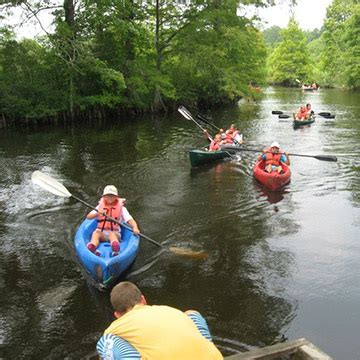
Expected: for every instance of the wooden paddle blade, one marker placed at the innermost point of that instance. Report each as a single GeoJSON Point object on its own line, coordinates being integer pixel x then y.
{"type": "Point", "coordinates": [189, 253]}
{"type": "Point", "coordinates": [284, 116]}
{"type": "Point", "coordinates": [328, 116]}
{"type": "Point", "coordinates": [48, 183]}
{"type": "Point", "coordinates": [324, 113]}
{"type": "Point", "coordinates": [326, 157]}
{"type": "Point", "coordinates": [277, 112]}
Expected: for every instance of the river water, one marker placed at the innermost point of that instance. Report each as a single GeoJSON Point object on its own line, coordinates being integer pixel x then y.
{"type": "Point", "coordinates": [280, 265]}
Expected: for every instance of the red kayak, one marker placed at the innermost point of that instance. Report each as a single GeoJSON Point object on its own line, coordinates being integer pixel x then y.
{"type": "Point", "coordinates": [274, 180]}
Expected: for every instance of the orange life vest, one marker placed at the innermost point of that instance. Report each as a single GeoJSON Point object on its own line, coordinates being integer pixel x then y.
{"type": "Point", "coordinates": [214, 146]}
{"type": "Point", "coordinates": [302, 114]}
{"type": "Point", "coordinates": [273, 159]}
{"type": "Point", "coordinates": [114, 210]}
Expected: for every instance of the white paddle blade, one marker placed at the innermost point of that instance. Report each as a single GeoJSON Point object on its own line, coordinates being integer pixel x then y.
{"type": "Point", "coordinates": [48, 183]}
{"type": "Point", "coordinates": [184, 113]}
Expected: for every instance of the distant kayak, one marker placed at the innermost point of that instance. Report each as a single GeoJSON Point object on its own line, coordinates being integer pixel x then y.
{"type": "Point", "coordinates": [273, 180]}
{"type": "Point", "coordinates": [309, 88]}
{"type": "Point", "coordinates": [105, 269]}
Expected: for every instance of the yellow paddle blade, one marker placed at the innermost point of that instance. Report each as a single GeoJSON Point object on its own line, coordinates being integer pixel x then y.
{"type": "Point", "coordinates": [190, 253]}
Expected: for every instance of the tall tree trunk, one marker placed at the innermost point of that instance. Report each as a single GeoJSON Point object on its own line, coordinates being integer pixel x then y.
{"type": "Point", "coordinates": [129, 40]}
{"type": "Point", "coordinates": [158, 103]}
{"type": "Point", "coordinates": [71, 96]}
{"type": "Point", "coordinates": [69, 9]}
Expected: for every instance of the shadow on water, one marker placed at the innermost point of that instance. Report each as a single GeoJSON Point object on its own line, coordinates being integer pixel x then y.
{"type": "Point", "coordinates": [215, 167]}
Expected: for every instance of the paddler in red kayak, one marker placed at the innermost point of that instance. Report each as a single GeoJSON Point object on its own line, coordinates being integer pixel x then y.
{"type": "Point", "coordinates": [273, 158]}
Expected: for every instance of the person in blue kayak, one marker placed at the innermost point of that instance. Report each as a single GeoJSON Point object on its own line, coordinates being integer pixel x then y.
{"type": "Point", "coordinates": [274, 157]}
{"type": "Point", "coordinates": [143, 331]}
{"type": "Point", "coordinates": [110, 205]}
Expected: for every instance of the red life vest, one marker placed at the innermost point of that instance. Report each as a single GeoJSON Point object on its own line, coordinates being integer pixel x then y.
{"type": "Point", "coordinates": [114, 210]}
{"type": "Point", "coordinates": [228, 139]}
{"type": "Point", "coordinates": [273, 159]}
{"type": "Point", "coordinates": [301, 115]}
{"type": "Point", "coordinates": [214, 146]}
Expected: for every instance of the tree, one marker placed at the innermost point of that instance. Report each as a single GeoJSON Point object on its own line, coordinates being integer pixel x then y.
{"type": "Point", "coordinates": [30, 84]}
{"type": "Point", "coordinates": [332, 59]}
{"type": "Point", "coordinates": [291, 58]}
{"type": "Point", "coordinates": [272, 36]}
{"type": "Point", "coordinates": [217, 57]}
{"type": "Point", "coordinates": [352, 53]}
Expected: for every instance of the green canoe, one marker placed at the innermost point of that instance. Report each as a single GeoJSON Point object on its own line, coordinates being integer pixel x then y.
{"type": "Point", "coordinates": [201, 157]}
{"type": "Point", "coordinates": [299, 123]}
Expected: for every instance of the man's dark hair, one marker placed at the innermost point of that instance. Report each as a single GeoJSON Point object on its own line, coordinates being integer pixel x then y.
{"type": "Point", "coordinates": [124, 296]}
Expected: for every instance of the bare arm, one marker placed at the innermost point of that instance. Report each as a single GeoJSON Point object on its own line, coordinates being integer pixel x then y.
{"type": "Point", "coordinates": [92, 215]}
{"type": "Point", "coordinates": [134, 226]}
{"type": "Point", "coordinates": [287, 162]}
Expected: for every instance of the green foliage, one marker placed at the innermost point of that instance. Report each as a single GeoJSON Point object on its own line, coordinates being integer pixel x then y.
{"type": "Point", "coordinates": [291, 58]}
{"type": "Point", "coordinates": [132, 55]}
{"type": "Point", "coordinates": [24, 88]}
{"type": "Point", "coordinates": [312, 35]}
{"type": "Point", "coordinates": [329, 56]}
{"type": "Point", "coordinates": [217, 58]}
{"type": "Point", "coordinates": [272, 36]}
{"type": "Point", "coordinates": [352, 53]}
{"type": "Point", "coordinates": [333, 59]}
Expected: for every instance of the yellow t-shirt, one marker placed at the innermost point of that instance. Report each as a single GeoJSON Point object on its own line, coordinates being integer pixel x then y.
{"type": "Point", "coordinates": [163, 333]}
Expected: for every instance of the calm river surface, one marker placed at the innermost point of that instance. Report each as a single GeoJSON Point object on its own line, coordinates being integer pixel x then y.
{"type": "Point", "coordinates": [280, 265]}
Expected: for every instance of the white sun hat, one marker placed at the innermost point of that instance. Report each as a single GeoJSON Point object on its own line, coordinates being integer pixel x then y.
{"type": "Point", "coordinates": [275, 144]}
{"type": "Point", "coordinates": [110, 190]}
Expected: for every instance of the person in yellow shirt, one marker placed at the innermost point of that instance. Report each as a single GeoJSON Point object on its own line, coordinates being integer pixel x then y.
{"type": "Point", "coordinates": [153, 332]}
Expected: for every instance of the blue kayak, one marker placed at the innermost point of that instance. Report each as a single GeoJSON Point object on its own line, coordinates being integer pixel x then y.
{"type": "Point", "coordinates": [105, 269]}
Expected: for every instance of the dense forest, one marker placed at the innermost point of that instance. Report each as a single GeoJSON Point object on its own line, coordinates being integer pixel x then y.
{"type": "Point", "coordinates": [329, 56]}
{"type": "Point", "coordinates": [111, 57]}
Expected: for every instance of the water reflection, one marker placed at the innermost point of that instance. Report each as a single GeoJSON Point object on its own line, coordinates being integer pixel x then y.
{"type": "Point", "coordinates": [264, 268]}
{"type": "Point", "coordinates": [272, 197]}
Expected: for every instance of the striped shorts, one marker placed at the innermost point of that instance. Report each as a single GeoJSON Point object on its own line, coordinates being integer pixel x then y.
{"type": "Point", "coordinates": [112, 347]}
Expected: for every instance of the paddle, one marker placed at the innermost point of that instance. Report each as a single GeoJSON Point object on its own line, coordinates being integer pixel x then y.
{"type": "Point", "coordinates": [319, 157]}
{"type": "Point", "coordinates": [282, 115]}
{"type": "Point", "coordinates": [48, 183]}
{"type": "Point", "coordinates": [286, 116]}
{"type": "Point", "coordinates": [187, 115]}
{"type": "Point", "coordinates": [202, 118]}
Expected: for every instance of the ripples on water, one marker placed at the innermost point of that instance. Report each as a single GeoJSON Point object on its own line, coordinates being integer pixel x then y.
{"type": "Point", "coordinates": [272, 256]}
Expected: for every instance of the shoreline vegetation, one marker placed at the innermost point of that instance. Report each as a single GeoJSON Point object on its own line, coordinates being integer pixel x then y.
{"type": "Point", "coordinates": [115, 59]}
